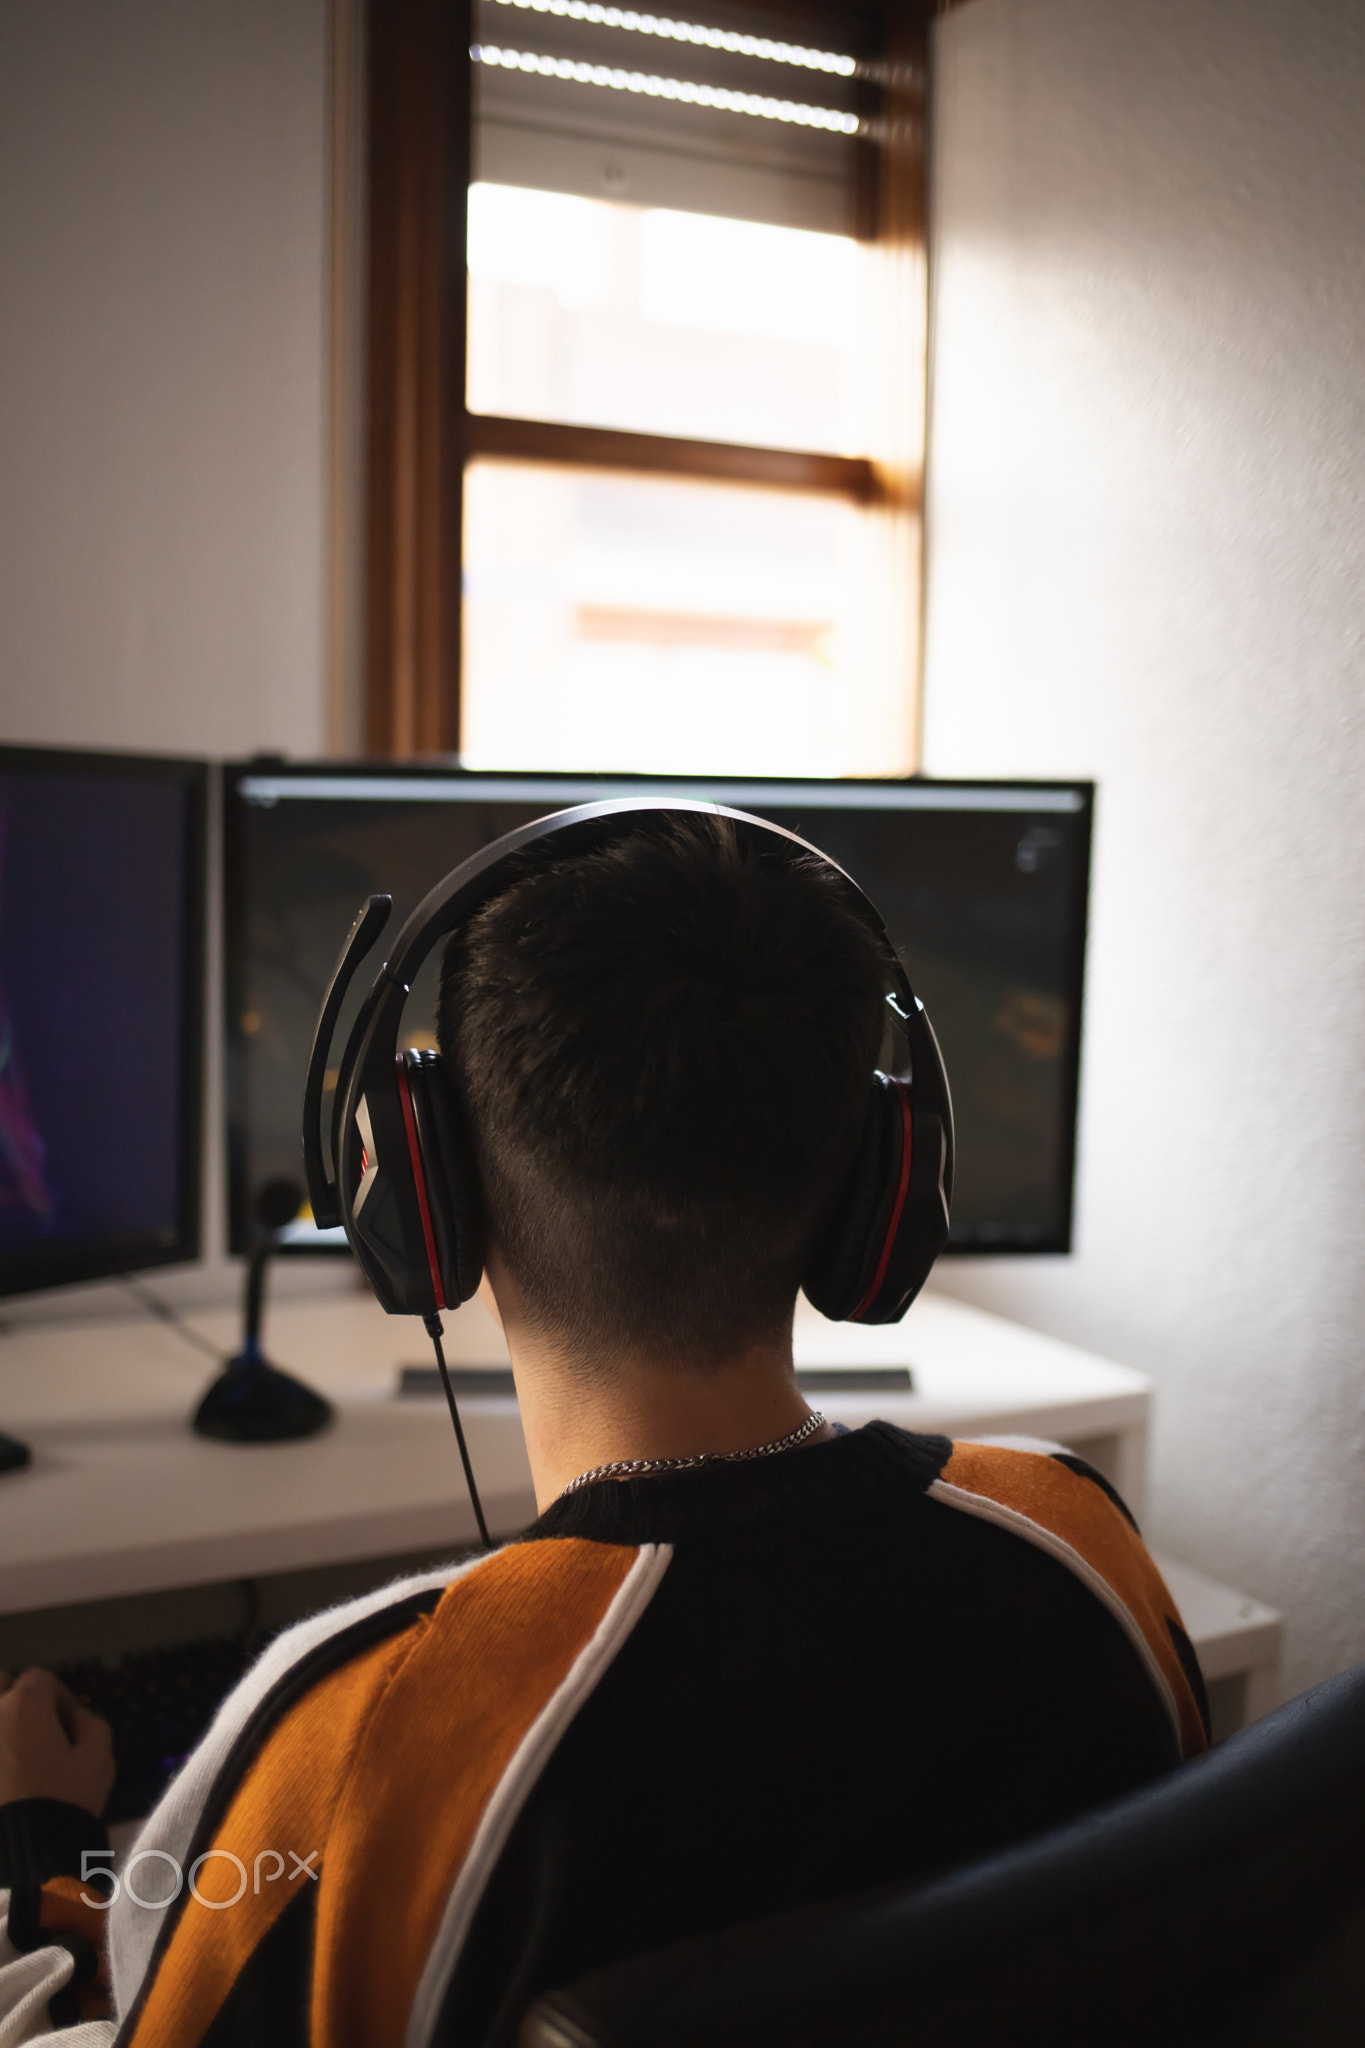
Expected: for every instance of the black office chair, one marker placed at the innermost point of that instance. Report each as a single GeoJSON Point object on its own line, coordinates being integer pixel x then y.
{"type": "Point", "coordinates": [1224, 1904]}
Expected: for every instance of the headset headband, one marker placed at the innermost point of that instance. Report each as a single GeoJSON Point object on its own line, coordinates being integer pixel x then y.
{"type": "Point", "coordinates": [481, 876]}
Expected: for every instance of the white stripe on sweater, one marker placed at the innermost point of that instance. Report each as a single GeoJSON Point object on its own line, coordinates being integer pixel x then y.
{"type": "Point", "coordinates": [534, 1751]}
{"type": "Point", "coordinates": [1056, 1546]}
{"type": "Point", "coordinates": [170, 1827]}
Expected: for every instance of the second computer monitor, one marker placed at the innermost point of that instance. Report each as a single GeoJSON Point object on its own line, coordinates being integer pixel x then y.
{"type": "Point", "coordinates": [982, 885]}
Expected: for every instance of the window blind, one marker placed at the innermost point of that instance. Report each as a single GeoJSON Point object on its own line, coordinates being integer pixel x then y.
{"type": "Point", "coordinates": [713, 110]}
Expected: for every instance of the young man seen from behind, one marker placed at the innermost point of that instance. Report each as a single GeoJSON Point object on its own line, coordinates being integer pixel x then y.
{"type": "Point", "coordinates": [743, 1660]}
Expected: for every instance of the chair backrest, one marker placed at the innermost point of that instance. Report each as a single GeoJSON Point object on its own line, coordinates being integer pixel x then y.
{"type": "Point", "coordinates": [1226, 1902]}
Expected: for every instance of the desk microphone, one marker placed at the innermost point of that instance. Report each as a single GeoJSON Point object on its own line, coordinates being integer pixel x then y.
{"type": "Point", "coordinates": [252, 1401]}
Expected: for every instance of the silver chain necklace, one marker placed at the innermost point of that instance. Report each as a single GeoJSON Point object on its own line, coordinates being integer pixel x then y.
{"type": "Point", "coordinates": [634, 1468]}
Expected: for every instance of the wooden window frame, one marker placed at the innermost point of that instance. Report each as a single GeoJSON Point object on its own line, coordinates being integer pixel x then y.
{"type": "Point", "coordinates": [419, 433]}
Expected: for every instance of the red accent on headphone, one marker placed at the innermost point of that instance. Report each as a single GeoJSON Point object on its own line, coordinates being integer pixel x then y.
{"type": "Point", "coordinates": [419, 1179]}
{"type": "Point", "coordinates": [893, 1223]}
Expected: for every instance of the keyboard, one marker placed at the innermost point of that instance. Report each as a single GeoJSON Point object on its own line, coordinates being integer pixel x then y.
{"type": "Point", "coordinates": [159, 1702]}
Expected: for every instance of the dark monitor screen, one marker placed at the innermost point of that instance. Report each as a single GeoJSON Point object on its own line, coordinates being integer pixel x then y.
{"type": "Point", "coordinates": [982, 886]}
{"type": "Point", "coordinates": [101, 1013]}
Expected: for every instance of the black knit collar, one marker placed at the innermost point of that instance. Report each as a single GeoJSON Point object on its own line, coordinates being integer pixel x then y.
{"type": "Point", "coordinates": [725, 1499]}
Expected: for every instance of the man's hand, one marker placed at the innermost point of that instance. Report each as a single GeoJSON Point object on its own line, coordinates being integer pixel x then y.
{"type": "Point", "coordinates": [51, 1747]}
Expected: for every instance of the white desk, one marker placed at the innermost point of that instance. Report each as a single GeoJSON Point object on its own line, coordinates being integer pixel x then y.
{"type": "Point", "coordinates": [121, 1497]}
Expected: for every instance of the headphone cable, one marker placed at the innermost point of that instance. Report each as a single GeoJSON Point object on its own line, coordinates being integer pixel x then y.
{"type": "Point", "coordinates": [435, 1332]}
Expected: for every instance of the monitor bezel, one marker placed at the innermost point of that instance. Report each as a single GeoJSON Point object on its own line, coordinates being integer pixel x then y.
{"type": "Point", "coordinates": [41, 1267]}
{"type": "Point", "coordinates": [581, 786]}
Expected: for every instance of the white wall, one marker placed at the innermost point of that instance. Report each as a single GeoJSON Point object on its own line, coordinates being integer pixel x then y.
{"type": "Point", "coordinates": [1147, 564]}
{"type": "Point", "coordinates": [163, 361]}
{"type": "Point", "coordinates": [162, 356]}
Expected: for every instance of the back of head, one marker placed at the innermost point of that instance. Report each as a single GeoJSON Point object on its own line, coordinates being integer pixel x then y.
{"type": "Point", "coordinates": [664, 1050]}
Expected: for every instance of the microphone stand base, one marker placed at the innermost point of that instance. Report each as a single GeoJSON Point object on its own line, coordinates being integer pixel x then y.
{"type": "Point", "coordinates": [252, 1402]}
{"type": "Point", "coordinates": [13, 1455]}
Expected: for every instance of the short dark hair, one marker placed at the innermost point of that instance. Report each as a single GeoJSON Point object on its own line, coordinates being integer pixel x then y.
{"type": "Point", "coordinates": [664, 1048]}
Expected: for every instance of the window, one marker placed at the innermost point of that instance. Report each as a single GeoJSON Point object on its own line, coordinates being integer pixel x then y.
{"type": "Point", "coordinates": [646, 385]}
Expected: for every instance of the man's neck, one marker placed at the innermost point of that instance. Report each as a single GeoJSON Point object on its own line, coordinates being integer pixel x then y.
{"type": "Point", "coordinates": [577, 1417]}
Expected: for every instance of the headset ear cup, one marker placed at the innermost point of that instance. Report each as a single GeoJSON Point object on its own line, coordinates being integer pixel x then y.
{"type": "Point", "coordinates": [452, 1188]}
{"type": "Point", "coordinates": [842, 1263]}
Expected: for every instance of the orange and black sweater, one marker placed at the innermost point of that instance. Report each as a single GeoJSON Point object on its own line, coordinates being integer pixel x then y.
{"type": "Point", "coordinates": [675, 1702]}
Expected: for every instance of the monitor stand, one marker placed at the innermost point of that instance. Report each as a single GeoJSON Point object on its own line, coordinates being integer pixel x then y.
{"type": "Point", "coordinates": [13, 1455]}
{"type": "Point", "coordinates": [252, 1401]}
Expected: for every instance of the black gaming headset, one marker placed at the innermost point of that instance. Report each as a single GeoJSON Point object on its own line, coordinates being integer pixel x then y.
{"type": "Point", "coordinates": [406, 1190]}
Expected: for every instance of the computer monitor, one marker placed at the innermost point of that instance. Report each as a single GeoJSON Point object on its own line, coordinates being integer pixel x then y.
{"type": "Point", "coordinates": [983, 887]}
{"type": "Point", "coordinates": [101, 1013]}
